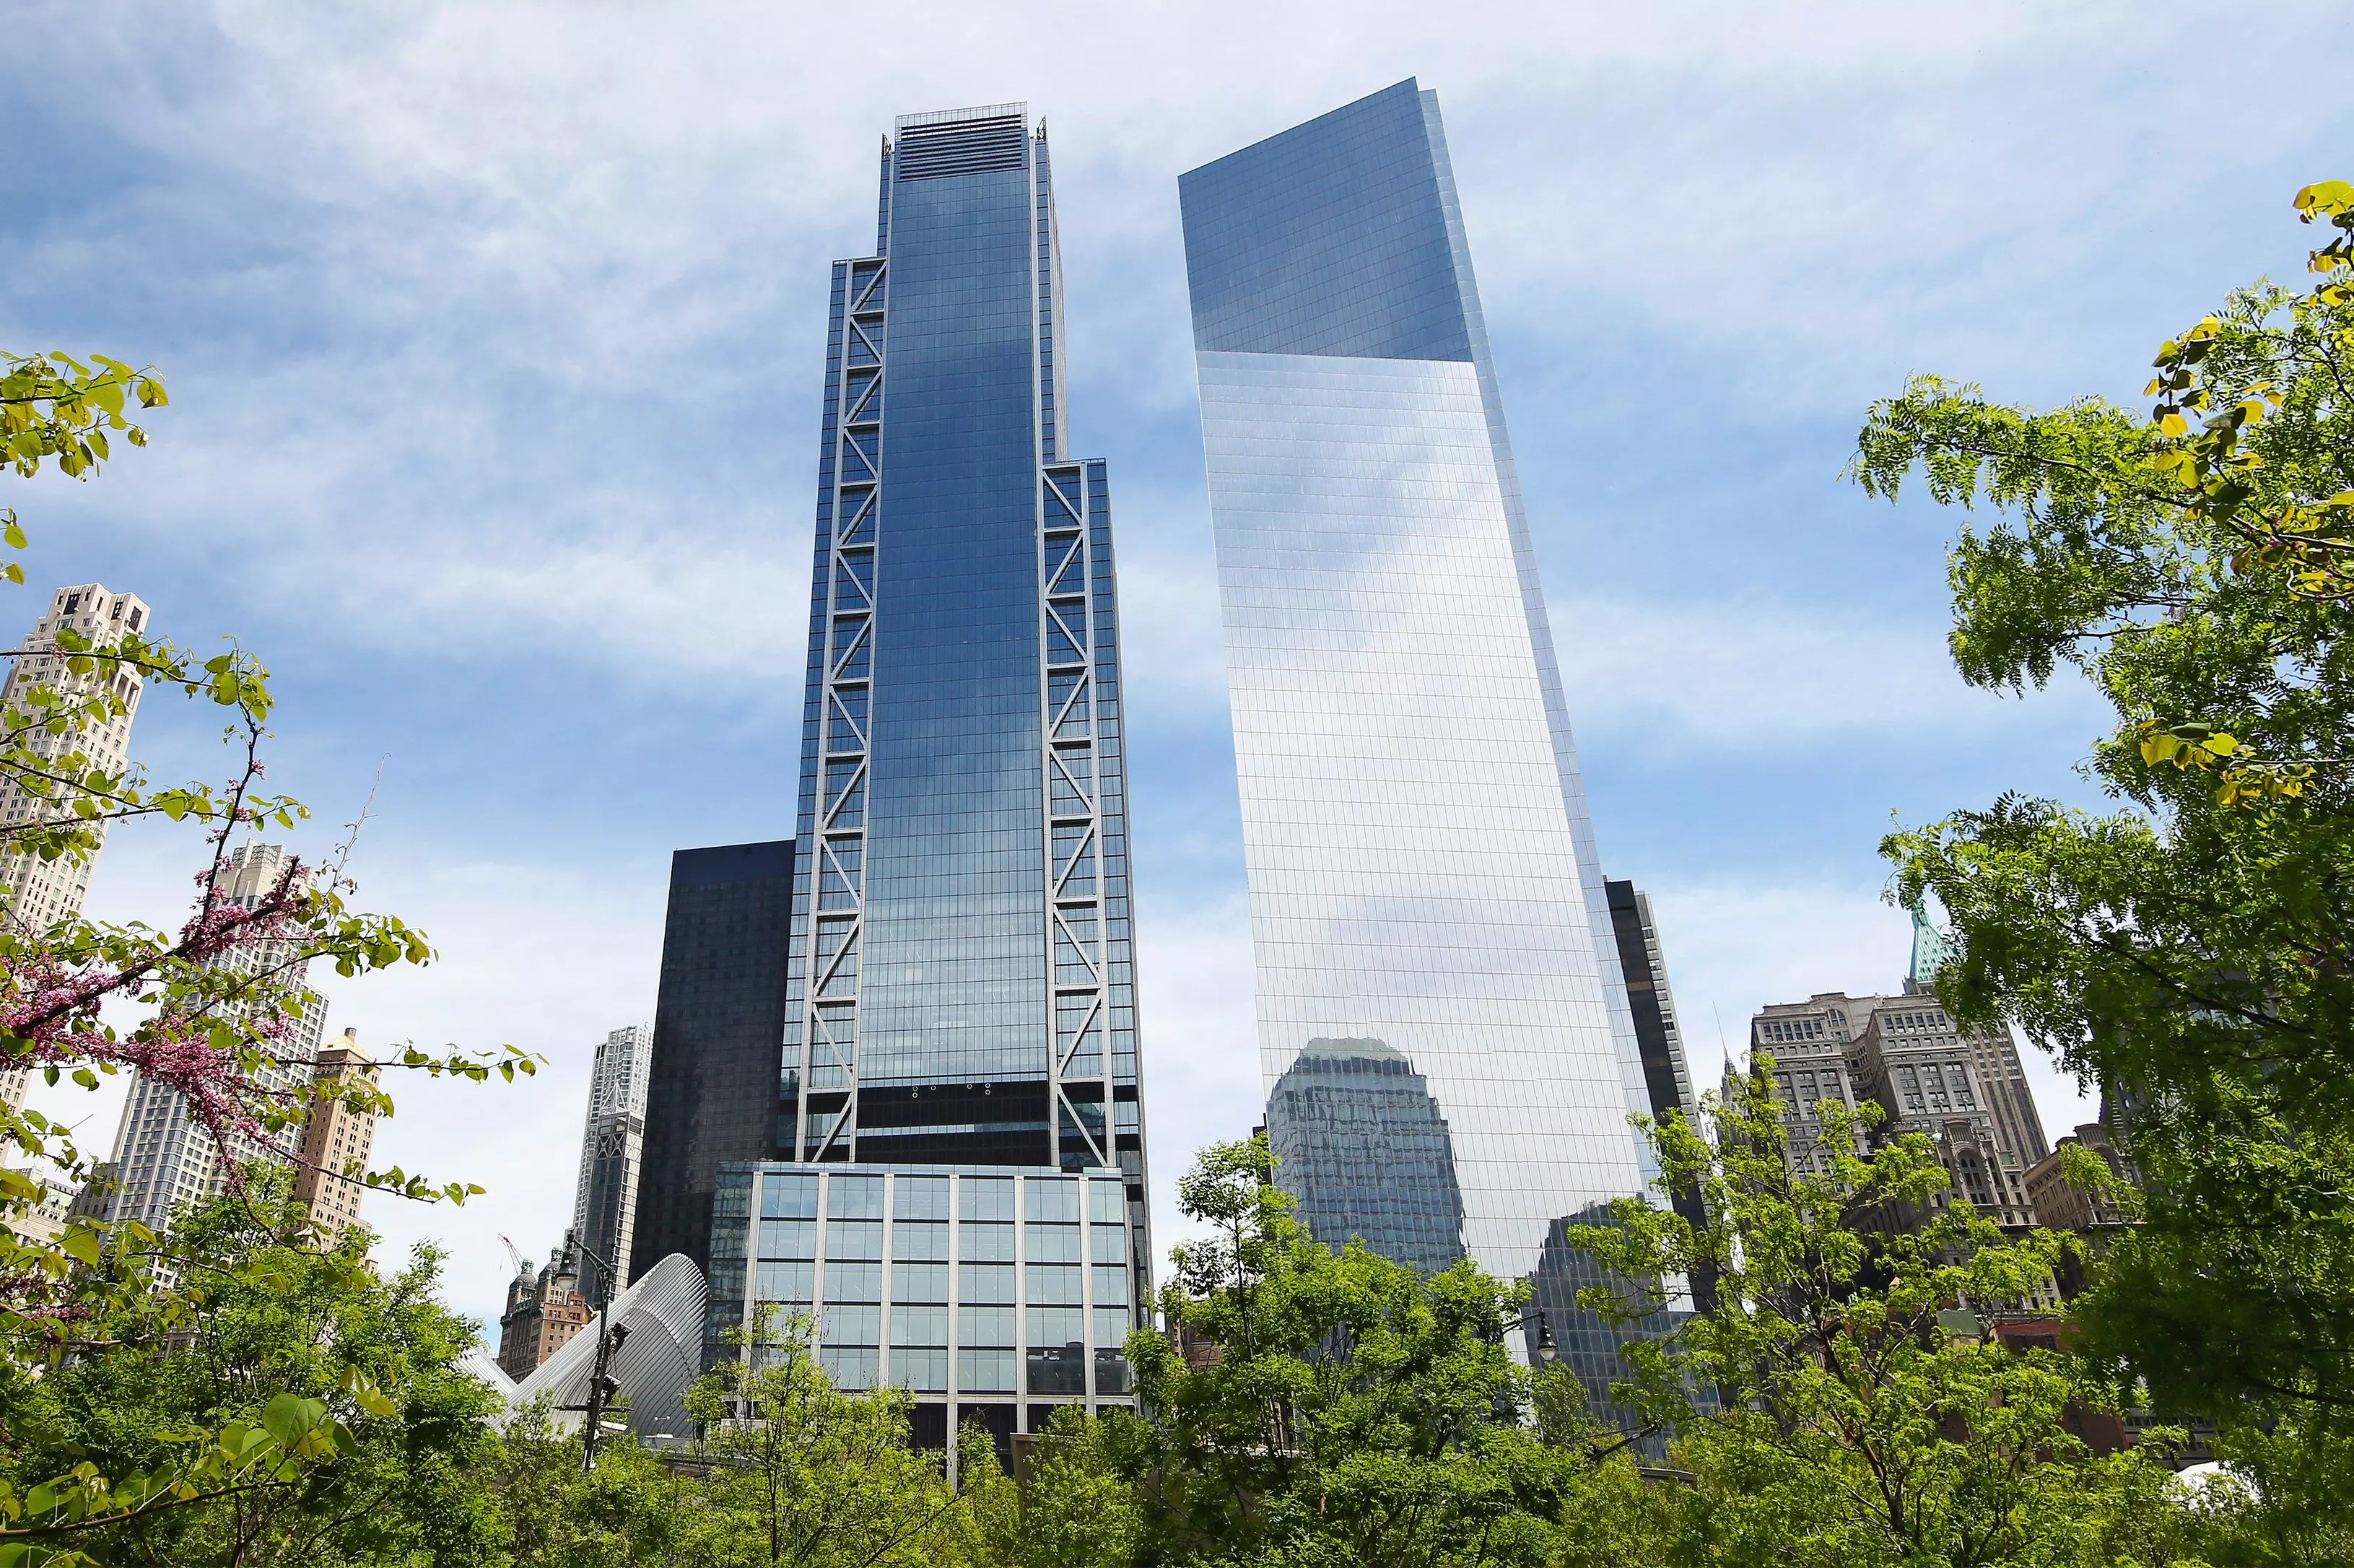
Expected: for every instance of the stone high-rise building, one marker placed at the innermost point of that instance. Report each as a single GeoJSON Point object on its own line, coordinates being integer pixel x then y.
{"type": "Point", "coordinates": [163, 1157]}
{"type": "Point", "coordinates": [1965, 1089]}
{"type": "Point", "coordinates": [604, 1203]}
{"type": "Point", "coordinates": [1994, 1054]}
{"type": "Point", "coordinates": [1905, 1053]}
{"type": "Point", "coordinates": [336, 1140]}
{"type": "Point", "coordinates": [544, 1311]}
{"type": "Point", "coordinates": [38, 892]}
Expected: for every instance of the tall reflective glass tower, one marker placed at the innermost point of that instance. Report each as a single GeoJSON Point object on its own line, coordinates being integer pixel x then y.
{"type": "Point", "coordinates": [960, 1010]}
{"type": "Point", "coordinates": [1422, 867]}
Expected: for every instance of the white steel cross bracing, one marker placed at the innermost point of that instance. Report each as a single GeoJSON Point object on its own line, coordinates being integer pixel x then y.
{"type": "Point", "coordinates": [1076, 956]}
{"type": "Point", "coordinates": [829, 1003]}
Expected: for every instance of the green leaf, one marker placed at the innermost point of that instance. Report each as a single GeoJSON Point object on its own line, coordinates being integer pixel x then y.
{"type": "Point", "coordinates": [288, 1416]}
{"type": "Point", "coordinates": [81, 1244]}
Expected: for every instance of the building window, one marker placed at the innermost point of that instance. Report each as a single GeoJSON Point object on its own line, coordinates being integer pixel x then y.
{"type": "Point", "coordinates": [985, 1372]}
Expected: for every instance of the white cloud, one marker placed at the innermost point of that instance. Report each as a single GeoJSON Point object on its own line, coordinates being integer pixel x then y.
{"type": "Point", "coordinates": [1695, 676]}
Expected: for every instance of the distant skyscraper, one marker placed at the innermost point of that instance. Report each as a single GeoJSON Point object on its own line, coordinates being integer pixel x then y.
{"type": "Point", "coordinates": [38, 892]}
{"type": "Point", "coordinates": [1422, 867]}
{"type": "Point", "coordinates": [961, 1039]}
{"type": "Point", "coordinates": [1361, 1145]}
{"type": "Point", "coordinates": [1667, 1077]}
{"type": "Point", "coordinates": [163, 1156]}
{"type": "Point", "coordinates": [335, 1138]}
{"type": "Point", "coordinates": [604, 1203]}
{"type": "Point", "coordinates": [711, 1081]}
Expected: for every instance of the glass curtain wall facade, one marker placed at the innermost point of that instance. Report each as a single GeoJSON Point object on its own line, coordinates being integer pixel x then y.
{"type": "Point", "coordinates": [961, 988]}
{"type": "Point", "coordinates": [992, 1296]}
{"type": "Point", "coordinates": [711, 1078]}
{"type": "Point", "coordinates": [1421, 868]}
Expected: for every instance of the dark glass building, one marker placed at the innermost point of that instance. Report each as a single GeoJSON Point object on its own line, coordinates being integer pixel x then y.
{"type": "Point", "coordinates": [711, 1090]}
{"type": "Point", "coordinates": [1667, 1079]}
{"type": "Point", "coordinates": [1363, 1147]}
{"type": "Point", "coordinates": [959, 1057]}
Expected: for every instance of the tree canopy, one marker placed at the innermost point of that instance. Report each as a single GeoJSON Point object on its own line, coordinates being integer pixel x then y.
{"type": "Point", "coordinates": [2188, 951]}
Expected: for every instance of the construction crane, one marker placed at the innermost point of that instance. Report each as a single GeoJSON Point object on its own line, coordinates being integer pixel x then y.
{"type": "Point", "coordinates": [522, 1264]}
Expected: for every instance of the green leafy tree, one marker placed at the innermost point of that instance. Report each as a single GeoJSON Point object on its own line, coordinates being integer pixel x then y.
{"type": "Point", "coordinates": [630, 1509]}
{"type": "Point", "coordinates": [283, 1404]}
{"type": "Point", "coordinates": [200, 1005]}
{"type": "Point", "coordinates": [1850, 1423]}
{"type": "Point", "coordinates": [1069, 1507]}
{"type": "Point", "coordinates": [2191, 951]}
{"type": "Point", "coordinates": [1307, 1406]}
{"type": "Point", "coordinates": [803, 1473]}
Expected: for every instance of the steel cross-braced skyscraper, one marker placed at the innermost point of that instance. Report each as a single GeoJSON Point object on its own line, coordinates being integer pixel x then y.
{"type": "Point", "coordinates": [1421, 868]}
{"type": "Point", "coordinates": [955, 1191]}
{"type": "Point", "coordinates": [963, 984]}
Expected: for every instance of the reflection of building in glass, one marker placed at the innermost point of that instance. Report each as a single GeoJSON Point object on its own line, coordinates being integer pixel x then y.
{"type": "Point", "coordinates": [1422, 867]}
{"type": "Point", "coordinates": [960, 988]}
{"type": "Point", "coordinates": [1363, 1147]}
{"type": "Point", "coordinates": [1579, 1337]}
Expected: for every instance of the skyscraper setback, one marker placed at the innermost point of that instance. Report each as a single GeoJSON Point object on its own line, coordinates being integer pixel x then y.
{"type": "Point", "coordinates": [1422, 869]}
{"type": "Point", "coordinates": [959, 1043]}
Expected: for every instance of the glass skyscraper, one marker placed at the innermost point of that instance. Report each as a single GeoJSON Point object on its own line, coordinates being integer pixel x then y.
{"type": "Point", "coordinates": [710, 1097]}
{"type": "Point", "coordinates": [960, 1012]}
{"type": "Point", "coordinates": [1421, 868]}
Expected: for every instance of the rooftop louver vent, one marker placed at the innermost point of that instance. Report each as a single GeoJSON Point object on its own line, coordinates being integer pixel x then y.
{"type": "Point", "coordinates": [961, 146]}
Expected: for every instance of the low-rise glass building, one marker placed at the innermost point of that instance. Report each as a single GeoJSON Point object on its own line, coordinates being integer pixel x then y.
{"type": "Point", "coordinates": [990, 1295]}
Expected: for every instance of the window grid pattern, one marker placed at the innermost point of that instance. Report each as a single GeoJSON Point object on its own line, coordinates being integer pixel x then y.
{"type": "Point", "coordinates": [965, 1284]}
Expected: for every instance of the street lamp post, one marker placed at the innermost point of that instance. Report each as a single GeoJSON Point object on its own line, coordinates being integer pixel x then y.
{"type": "Point", "coordinates": [600, 1384]}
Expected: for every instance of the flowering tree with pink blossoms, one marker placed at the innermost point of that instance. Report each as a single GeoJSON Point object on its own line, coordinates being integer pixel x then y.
{"type": "Point", "coordinates": [201, 1006]}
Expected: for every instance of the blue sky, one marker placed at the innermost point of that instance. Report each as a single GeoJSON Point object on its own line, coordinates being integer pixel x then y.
{"type": "Point", "coordinates": [493, 333]}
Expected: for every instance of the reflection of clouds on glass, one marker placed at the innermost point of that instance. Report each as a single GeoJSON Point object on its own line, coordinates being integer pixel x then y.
{"type": "Point", "coordinates": [1414, 871]}
{"type": "Point", "coordinates": [1422, 869]}
{"type": "Point", "coordinates": [1365, 1148]}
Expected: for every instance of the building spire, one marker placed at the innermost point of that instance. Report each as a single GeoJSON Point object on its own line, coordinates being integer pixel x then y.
{"type": "Point", "coordinates": [1931, 949]}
